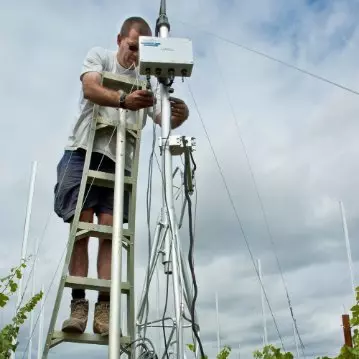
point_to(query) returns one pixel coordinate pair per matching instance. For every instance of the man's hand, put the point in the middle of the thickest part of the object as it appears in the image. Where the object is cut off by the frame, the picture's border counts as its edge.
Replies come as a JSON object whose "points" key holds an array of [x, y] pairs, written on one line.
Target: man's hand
{"points": [[139, 99], [179, 111]]}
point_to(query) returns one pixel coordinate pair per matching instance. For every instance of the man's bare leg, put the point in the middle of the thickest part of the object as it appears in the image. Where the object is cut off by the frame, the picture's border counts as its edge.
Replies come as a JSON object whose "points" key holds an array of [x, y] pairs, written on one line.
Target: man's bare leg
{"points": [[102, 307], [104, 250], [79, 267], [79, 262]]}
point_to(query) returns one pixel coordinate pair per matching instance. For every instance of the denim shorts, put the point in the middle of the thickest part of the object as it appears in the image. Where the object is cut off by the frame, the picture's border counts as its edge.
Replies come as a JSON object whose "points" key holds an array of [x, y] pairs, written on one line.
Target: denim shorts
{"points": [[69, 174]]}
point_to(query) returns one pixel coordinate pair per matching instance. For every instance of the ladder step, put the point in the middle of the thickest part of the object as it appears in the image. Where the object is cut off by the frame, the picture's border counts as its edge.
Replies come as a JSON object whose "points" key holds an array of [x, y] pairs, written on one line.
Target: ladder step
{"points": [[102, 122], [100, 285], [100, 231], [84, 338], [105, 179], [117, 82]]}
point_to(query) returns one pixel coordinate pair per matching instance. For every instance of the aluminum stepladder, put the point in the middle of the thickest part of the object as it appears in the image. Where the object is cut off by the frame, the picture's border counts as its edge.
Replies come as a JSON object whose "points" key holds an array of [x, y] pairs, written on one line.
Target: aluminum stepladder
{"points": [[80, 230]]}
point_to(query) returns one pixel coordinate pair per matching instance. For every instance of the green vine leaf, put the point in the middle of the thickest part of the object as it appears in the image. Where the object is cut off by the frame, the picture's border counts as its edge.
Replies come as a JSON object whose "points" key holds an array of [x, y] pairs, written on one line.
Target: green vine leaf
{"points": [[9, 332]]}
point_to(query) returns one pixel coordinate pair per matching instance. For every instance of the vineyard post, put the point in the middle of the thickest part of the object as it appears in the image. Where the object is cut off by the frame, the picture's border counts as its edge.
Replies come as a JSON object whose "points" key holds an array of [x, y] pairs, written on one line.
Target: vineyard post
{"points": [[347, 331]]}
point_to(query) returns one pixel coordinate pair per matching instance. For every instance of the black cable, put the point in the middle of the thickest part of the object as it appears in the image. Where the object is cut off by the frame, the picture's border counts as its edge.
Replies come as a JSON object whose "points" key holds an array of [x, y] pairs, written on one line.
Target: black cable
{"points": [[150, 354], [190, 252]]}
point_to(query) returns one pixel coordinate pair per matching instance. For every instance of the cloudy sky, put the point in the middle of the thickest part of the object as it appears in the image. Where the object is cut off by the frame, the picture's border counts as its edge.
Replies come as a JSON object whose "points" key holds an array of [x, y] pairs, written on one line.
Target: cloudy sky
{"points": [[276, 132]]}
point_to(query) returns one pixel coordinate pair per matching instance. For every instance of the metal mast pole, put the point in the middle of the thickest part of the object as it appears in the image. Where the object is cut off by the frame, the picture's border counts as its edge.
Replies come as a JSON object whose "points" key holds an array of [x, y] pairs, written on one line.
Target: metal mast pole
{"points": [[26, 235], [347, 244], [171, 247], [166, 238], [162, 29], [265, 336], [114, 351]]}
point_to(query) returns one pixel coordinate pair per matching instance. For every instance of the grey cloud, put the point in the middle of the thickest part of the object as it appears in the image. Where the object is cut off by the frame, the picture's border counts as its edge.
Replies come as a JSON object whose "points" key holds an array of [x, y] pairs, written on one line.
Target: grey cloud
{"points": [[299, 133]]}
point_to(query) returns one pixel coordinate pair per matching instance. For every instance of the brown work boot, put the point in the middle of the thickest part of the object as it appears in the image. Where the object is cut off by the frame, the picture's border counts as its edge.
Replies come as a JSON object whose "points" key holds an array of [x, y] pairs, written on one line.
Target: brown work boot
{"points": [[78, 317], [101, 318]]}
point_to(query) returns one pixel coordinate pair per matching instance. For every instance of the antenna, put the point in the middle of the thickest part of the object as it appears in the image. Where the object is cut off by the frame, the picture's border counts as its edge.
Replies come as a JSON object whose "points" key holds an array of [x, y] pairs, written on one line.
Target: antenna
{"points": [[162, 19], [167, 58]]}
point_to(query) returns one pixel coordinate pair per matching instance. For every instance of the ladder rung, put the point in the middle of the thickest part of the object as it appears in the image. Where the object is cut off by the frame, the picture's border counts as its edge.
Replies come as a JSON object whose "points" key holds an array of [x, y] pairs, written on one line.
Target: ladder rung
{"points": [[99, 231], [102, 122], [106, 179], [100, 285], [133, 127], [104, 176], [84, 338], [117, 82]]}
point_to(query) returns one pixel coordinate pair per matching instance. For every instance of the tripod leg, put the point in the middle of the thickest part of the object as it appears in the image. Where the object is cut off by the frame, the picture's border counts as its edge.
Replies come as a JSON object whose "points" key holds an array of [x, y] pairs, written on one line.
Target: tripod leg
{"points": [[168, 344]]}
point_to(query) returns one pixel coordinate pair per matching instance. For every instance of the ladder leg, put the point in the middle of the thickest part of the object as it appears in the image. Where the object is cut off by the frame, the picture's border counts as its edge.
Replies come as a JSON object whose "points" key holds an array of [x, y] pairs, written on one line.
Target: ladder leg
{"points": [[122, 237], [71, 239], [116, 261]]}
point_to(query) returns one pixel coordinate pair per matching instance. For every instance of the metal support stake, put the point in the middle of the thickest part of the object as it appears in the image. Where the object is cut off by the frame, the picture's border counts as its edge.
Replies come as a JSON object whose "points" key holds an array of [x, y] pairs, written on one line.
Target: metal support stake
{"points": [[347, 245], [296, 341], [218, 330], [32, 295], [116, 260], [25, 238], [41, 325], [265, 335]]}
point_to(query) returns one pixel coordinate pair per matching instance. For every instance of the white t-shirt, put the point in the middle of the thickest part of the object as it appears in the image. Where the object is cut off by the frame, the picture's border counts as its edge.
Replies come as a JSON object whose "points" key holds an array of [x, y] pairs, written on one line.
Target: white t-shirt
{"points": [[99, 60]]}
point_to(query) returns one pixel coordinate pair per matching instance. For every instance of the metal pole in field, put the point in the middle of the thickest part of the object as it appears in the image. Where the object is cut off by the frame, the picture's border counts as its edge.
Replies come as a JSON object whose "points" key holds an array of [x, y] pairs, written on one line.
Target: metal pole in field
{"points": [[265, 336], [218, 328], [25, 237], [296, 341], [36, 251], [347, 244], [41, 327], [348, 340]]}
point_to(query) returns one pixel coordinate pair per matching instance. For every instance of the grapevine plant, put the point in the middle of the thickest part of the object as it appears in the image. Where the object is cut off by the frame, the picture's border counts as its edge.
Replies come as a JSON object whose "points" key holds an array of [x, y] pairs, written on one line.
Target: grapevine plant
{"points": [[9, 333]]}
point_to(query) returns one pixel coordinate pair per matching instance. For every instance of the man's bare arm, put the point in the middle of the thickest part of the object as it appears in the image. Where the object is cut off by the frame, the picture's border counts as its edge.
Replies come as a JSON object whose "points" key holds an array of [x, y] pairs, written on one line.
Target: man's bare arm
{"points": [[179, 112], [96, 93], [175, 122]]}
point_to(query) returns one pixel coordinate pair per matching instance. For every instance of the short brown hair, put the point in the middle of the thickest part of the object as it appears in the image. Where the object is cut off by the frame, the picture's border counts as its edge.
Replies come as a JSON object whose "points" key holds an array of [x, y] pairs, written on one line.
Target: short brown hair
{"points": [[137, 23]]}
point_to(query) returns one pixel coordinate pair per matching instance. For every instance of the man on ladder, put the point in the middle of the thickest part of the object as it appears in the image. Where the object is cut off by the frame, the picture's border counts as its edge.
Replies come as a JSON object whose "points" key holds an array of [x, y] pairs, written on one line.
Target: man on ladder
{"points": [[99, 200]]}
